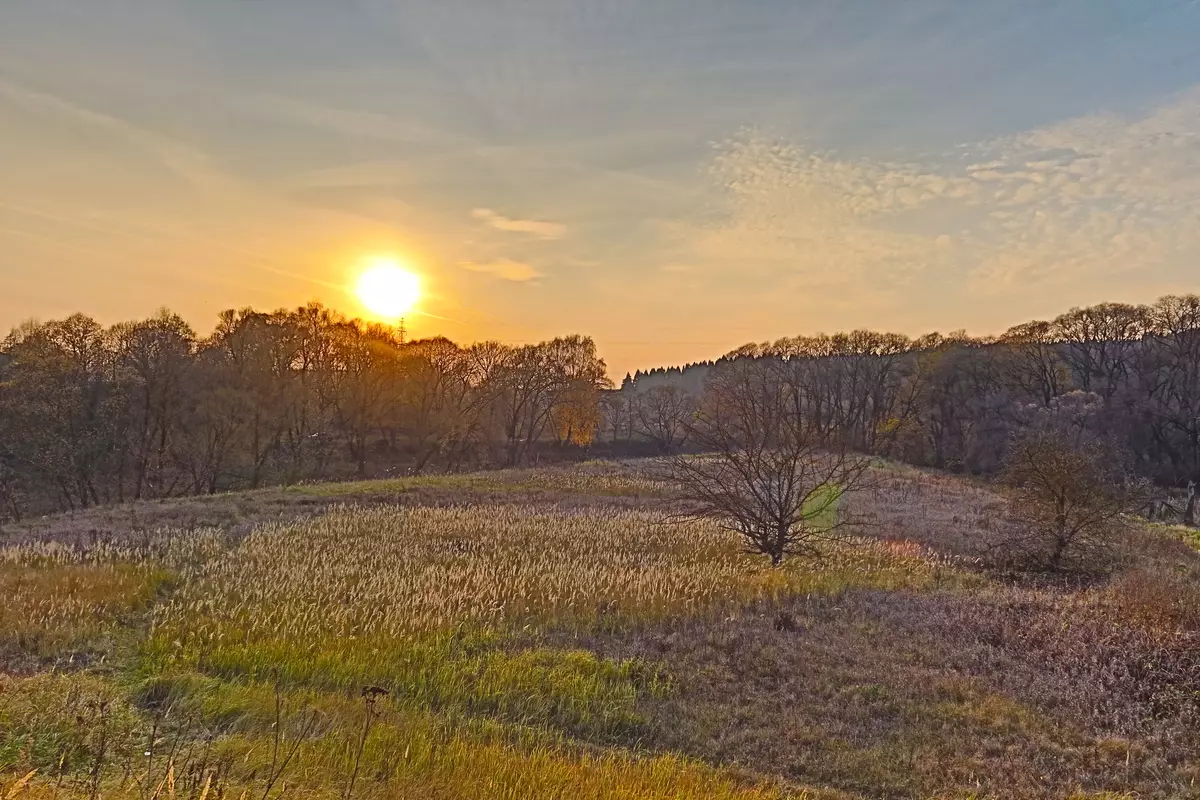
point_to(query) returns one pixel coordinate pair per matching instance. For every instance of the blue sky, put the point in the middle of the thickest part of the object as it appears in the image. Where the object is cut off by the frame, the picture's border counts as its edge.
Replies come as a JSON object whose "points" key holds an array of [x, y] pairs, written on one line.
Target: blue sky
{"points": [[674, 178]]}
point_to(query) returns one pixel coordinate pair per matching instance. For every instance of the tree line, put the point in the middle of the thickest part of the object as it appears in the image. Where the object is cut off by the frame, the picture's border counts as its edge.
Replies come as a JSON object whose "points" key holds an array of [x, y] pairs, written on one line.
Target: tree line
{"points": [[148, 409], [1128, 372]]}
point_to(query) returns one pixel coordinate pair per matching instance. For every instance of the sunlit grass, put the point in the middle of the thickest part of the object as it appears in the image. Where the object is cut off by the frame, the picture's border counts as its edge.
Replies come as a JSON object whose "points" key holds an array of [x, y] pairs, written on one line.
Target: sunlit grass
{"points": [[49, 609], [369, 573], [444, 606], [570, 690], [406, 753], [473, 618]]}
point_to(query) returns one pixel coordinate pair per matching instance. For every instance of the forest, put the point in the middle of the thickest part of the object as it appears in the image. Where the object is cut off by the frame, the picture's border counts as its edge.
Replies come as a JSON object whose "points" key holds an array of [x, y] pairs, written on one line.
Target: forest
{"points": [[91, 415]]}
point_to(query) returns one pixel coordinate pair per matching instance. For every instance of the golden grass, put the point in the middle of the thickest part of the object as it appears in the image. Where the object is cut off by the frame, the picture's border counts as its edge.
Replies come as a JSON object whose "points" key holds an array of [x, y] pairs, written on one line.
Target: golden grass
{"points": [[406, 754], [466, 770], [367, 573], [47, 609], [444, 606], [464, 614], [10, 792]]}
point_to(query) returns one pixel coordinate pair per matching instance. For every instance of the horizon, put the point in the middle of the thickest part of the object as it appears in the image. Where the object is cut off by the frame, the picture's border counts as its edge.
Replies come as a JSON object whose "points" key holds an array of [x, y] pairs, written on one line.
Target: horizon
{"points": [[673, 182], [614, 375]]}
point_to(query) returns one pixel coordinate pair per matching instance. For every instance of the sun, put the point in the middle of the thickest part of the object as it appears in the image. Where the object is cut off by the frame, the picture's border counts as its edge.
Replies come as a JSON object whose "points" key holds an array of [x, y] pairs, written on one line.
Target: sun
{"points": [[387, 289]]}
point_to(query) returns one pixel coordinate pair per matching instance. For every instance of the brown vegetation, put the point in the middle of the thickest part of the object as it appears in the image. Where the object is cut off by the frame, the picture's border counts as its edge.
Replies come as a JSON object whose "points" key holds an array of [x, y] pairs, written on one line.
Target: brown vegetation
{"points": [[144, 410], [1067, 502], [537, 633], [766, 474], [954, 402], [529, 632]]}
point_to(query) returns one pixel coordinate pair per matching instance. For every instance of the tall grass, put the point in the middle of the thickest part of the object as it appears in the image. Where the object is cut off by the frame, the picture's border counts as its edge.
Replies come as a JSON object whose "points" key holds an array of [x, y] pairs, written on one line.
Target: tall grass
{"points": [[364, 573], [51, 611], [444, 606], [468, 617], [407, 753]]}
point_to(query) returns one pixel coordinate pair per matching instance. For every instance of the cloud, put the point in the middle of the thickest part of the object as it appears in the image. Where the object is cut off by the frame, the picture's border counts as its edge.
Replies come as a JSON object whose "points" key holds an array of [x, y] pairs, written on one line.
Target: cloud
{"points": [[542, 230], [813, 218], [505, 269], [189, 163], [1088, 198], [1094, 195]]}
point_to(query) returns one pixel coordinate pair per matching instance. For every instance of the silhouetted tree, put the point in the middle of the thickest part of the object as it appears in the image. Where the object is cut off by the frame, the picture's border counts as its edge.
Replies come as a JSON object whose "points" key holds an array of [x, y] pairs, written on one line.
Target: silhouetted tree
{"points": [[147, 409], [664, 414]]}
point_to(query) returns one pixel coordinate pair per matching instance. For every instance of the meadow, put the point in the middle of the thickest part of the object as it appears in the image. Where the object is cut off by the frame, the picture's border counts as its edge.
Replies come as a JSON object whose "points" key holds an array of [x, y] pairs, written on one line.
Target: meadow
{"points": [[549, 634]]}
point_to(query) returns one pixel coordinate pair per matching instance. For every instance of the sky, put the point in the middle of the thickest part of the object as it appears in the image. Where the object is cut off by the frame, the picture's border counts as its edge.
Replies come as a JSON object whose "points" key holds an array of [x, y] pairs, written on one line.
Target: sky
{"points": [[674, 178]]}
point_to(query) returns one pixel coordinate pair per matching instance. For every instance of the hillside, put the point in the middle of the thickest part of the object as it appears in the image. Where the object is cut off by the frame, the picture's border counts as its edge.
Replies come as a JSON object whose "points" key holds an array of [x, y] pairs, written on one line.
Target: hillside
{"points": [[544, 633]]}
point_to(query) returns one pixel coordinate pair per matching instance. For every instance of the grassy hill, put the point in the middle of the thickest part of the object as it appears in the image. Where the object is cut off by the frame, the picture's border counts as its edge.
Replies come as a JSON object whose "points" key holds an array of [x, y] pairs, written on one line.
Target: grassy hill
{"points": [[544, 634]]}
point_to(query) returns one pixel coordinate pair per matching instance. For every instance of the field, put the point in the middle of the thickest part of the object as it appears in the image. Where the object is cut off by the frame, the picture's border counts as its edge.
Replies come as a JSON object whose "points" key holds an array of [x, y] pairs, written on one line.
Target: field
{"points": [[546, 634]]}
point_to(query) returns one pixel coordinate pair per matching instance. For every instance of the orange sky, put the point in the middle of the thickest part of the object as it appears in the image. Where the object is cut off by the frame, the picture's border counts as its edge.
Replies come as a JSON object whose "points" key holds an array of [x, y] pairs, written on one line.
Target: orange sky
{"points": [[674, 182]]}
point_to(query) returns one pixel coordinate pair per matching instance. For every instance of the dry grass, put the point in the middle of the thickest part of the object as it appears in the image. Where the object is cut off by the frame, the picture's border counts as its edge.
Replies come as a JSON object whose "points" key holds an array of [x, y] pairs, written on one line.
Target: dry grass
{"points": [[394, 571], [83, 739], [947, 514], [587, 485], [64, 611], [592, 479], [1009, 692], [541, 634], [445, 606]]}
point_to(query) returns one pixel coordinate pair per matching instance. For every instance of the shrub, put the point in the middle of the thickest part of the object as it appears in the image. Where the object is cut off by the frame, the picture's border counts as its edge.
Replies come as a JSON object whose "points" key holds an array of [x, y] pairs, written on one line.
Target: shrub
{"points": [[1066, 500]]}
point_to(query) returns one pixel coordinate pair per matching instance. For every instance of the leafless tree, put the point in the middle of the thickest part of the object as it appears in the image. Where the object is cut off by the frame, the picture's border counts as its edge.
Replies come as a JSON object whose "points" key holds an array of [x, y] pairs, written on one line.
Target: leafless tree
{"points": [[1099, 344], [152, 409], [1067, 496], [766, 474], [1034, 364], [663, 414]]}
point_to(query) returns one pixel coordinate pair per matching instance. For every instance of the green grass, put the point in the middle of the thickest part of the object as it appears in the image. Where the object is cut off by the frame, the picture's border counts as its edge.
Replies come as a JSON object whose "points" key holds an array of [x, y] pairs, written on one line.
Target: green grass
{"points": [[53, 610], [52, 720], [56, 729], [448, 608], [601, 480], [495, 626], [569, 690]]}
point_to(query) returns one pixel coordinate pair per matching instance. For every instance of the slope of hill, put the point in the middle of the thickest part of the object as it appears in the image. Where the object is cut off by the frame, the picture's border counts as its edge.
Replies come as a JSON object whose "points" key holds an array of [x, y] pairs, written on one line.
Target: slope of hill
{"points": [[544, 634]]}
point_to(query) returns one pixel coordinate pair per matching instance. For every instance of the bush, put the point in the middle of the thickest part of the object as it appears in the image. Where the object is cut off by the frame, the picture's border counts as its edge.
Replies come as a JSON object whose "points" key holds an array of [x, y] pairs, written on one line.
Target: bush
{"points": [[1067, 495]]}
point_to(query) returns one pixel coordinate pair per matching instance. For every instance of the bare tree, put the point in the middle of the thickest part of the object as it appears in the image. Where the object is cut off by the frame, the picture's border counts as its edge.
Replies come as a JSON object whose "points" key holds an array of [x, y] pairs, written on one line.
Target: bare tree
{"points": [[663, 413], [766, 474], [1034, 364], [1099, 343], [1067, 497]]}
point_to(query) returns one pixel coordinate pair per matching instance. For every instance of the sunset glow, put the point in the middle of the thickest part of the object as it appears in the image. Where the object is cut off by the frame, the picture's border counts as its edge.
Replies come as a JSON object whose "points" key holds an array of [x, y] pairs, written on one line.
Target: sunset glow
{"points": [[387, 289], [689, 398]]}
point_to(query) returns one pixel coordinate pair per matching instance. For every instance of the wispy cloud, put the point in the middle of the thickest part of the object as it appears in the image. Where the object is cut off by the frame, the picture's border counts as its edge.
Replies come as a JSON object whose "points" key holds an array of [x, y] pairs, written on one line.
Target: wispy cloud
{"points": [[505, 269], [532, 227], [1093, 195], [1087, 198], [189, 163], [812, 217]]}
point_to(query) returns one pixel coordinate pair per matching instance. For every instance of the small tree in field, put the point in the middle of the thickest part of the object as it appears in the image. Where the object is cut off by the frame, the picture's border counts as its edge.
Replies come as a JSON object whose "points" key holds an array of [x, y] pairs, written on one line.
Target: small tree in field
{"points": [[1067, 496], [766, 474]]}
